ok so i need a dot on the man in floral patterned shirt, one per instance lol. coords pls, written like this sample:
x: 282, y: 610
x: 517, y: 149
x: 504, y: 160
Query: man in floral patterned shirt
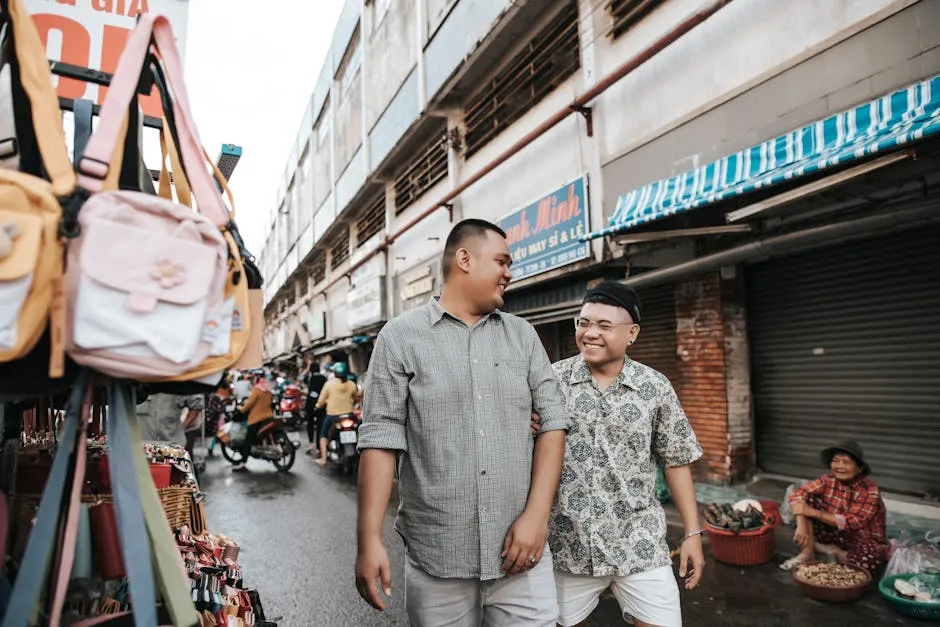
x: 608, y: 529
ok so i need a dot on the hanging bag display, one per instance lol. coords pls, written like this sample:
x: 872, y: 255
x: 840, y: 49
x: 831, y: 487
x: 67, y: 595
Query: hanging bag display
x: 244, y: 279
x: 146, y: 276
x: 51, y: 549
x: 31, y: 255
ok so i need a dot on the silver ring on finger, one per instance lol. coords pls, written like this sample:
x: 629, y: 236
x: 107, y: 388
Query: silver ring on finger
x: 532, y: 559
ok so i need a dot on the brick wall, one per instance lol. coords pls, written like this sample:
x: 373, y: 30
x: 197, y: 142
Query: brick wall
x: 713, y: 384
x: 737, y: 377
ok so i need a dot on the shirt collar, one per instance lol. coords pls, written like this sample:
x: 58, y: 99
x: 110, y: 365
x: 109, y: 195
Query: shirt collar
x: 858, y: 481
x: 582, y: 374
x: 436, y: 312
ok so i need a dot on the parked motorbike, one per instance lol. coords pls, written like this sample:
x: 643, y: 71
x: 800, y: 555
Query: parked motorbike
x: 341, y: 448
x: 272, y: 444
x: 290, y: 407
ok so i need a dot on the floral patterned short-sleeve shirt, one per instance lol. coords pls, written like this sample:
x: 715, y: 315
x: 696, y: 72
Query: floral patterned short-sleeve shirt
x: 607, y: 520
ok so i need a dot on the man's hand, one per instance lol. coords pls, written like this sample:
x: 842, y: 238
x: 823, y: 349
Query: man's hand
x: 526, y: 538
x: 691, y: 551
x: 536, y: 424
x: 372, y: 565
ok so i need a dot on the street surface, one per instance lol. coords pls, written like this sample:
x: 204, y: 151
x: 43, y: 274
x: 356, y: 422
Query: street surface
x: 297, y: 533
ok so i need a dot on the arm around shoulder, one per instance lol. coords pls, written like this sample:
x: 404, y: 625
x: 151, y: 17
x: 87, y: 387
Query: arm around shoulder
x: 547, y: 400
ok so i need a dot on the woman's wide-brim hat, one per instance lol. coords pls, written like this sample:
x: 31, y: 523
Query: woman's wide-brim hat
x: 850, y: 448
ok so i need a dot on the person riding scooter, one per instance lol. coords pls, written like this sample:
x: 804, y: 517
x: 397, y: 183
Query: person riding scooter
x: 259, y: 410
x: 339, y: 396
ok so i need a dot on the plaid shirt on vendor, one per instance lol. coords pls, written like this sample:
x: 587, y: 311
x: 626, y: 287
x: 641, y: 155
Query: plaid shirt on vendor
x: 857, y: 505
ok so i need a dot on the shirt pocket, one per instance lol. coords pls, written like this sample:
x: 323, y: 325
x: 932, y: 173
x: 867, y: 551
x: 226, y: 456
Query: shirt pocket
x: 512, y: 382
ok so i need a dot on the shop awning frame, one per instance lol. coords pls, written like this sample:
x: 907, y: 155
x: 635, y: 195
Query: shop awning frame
x: 877, y: 127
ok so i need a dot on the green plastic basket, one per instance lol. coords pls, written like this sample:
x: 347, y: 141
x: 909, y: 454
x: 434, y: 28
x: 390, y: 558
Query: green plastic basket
x: 907, y: 607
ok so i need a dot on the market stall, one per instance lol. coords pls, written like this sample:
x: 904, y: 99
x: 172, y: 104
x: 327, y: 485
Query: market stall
x: 112, y: 289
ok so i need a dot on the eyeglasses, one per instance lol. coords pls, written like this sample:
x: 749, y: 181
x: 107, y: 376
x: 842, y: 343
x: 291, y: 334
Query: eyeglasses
x: 604, y: 327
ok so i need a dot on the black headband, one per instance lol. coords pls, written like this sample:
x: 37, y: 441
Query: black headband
x: 619, y: 294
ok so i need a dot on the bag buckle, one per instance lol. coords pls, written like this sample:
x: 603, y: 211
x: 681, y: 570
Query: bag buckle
x: 69, y: 227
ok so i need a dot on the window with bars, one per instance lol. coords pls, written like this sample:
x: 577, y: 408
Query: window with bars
x: 625, y: 14
x: 371, y: 221
x: 318, y: 269
x: 548, y: 60
x: 424, y: 172
x: 339, y: 250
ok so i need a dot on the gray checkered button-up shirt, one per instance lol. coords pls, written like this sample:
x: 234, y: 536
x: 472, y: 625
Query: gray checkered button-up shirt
x: 457, y: 402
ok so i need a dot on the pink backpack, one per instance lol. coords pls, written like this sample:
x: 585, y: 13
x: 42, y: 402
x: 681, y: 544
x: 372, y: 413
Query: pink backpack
x: 145, y: 276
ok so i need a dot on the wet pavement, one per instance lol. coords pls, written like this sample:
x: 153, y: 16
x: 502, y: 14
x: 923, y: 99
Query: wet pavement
x: 298, y: 541
x: 297, y: 533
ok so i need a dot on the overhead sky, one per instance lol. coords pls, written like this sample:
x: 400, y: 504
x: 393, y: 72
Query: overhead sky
x: 250, y: 69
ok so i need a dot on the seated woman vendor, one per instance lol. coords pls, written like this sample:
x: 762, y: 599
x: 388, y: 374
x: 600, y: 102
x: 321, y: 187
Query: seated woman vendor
x: 841, y: 513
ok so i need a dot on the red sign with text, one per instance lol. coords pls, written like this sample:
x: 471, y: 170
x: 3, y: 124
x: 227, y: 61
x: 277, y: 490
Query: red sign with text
x: 93, y: 33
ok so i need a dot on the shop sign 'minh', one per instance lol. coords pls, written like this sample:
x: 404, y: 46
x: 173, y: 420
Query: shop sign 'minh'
x: 544, y: 234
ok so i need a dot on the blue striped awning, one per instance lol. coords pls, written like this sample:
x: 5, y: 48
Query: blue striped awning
x: 878, y: 126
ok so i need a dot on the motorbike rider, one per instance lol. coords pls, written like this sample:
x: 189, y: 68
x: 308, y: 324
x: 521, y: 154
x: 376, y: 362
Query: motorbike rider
x: 258, y: 407
x: 339, y: 396
x: 314, y: 380
x: 242, y: 387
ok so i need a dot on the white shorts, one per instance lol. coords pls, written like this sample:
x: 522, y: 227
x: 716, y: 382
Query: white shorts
x: 651, y: 597
x: 513, y: 601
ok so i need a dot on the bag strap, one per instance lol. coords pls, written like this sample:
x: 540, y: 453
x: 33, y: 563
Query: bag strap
x: 36, y: 80
x: 26, y: 600
x: 129, y: 517
x: 171, y: 573
x: 168, y: 149
x: 63, y: 572
x: 94, y: 166
x: 83, y: 111
x: 9, y: 146
x: 171, y: 140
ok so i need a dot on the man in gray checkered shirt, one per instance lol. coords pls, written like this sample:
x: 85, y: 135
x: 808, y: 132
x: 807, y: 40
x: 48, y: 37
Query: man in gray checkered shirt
x: 451, y: 388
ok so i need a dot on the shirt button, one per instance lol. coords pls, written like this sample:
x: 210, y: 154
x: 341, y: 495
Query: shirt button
x: 482, y: 433
x: 484, y: 510
x: 483, y: 472
x: 479, y: 397
x: 476, y: 361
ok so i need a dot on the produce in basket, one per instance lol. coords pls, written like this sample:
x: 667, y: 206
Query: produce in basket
x: 831, y: 575
x: 724, y: 516
x: 922, y: 588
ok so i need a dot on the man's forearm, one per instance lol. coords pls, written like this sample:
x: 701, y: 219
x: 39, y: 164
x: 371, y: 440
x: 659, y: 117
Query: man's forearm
x: 376, y: 471
x: 679, y: 480
x: 547, y: 460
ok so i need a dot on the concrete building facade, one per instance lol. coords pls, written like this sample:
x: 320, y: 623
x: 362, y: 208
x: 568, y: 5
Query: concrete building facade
x: 417, y: 98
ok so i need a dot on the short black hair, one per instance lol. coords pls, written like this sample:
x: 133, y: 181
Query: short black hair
x: 462, y: 231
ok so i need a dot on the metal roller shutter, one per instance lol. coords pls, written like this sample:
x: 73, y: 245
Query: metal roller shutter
x: 656, y: 344
x: 566, y: 339
x: 845, y: 344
